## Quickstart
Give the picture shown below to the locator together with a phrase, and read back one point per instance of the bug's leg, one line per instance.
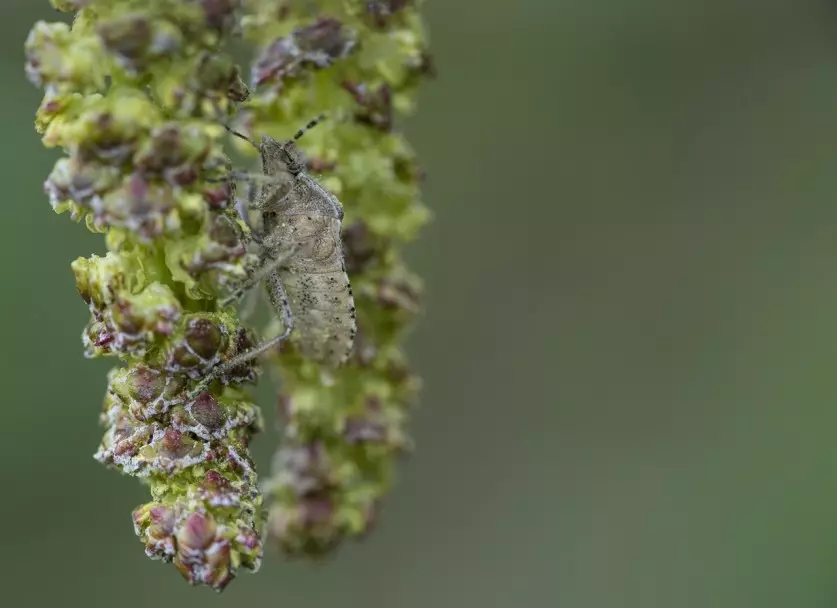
(267, 266)
(245, 206)
(254, 180)
(280, 302)
(242, 208)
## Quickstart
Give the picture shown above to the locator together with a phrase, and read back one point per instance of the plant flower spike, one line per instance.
(141, 94)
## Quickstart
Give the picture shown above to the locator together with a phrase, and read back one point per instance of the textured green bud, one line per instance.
(320, 498)
(201, 341)
(209, 85)
(144, 392)
(108, 128)
(203, 551)
(177, 154)
(61, 63)
(310, 47)
(193, 453)
(200, 347)
(215, 258)
(135, 41)
(74, 185)
(382, 14)
(128, 314)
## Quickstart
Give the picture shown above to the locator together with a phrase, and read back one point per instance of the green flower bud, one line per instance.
(204, 550)
(61, 62)
(313, 46)
(135, 41)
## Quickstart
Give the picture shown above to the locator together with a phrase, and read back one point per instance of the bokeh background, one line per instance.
(629, 346)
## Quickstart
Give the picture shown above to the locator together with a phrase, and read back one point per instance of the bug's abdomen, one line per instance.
(324, 313)
(319, 292)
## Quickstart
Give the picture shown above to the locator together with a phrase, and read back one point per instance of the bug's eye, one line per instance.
(293, 165)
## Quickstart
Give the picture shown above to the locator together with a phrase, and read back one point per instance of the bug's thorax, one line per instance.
(282, 163)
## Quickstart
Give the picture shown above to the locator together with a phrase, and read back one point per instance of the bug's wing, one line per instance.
(307, 197)
(318, 288)
(325, 327)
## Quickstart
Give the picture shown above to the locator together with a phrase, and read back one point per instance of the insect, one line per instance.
(301, 261)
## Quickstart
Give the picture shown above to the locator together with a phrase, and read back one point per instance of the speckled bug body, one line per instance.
(301, 257)
(299, 215)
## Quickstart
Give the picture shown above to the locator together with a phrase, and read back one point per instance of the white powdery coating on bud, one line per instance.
(161, 548)
(227, 500)
(241, 417)
(242, 463)
(130, 450)
(158, 406)
(171, 463)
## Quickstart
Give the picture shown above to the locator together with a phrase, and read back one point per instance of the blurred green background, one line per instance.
(629, 347)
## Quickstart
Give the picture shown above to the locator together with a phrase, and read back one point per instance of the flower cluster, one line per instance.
(342, 431)
(134, 92)
(137, 92)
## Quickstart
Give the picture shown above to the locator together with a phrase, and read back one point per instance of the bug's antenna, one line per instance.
(218, 113)
(311, 124)
(235, 133)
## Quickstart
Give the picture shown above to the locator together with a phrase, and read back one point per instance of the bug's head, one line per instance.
(285, 157)
(280, 157)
